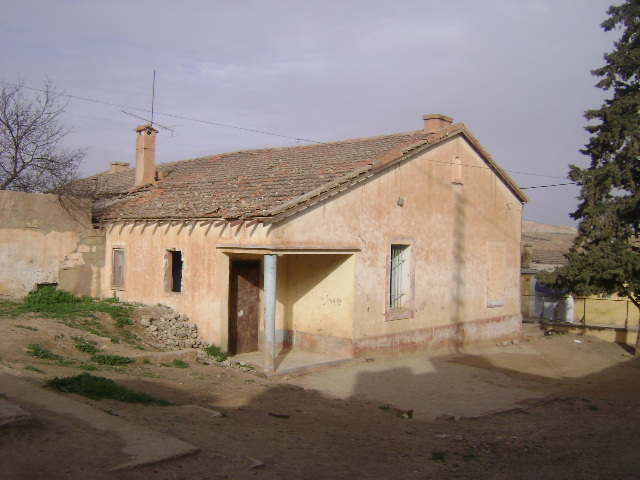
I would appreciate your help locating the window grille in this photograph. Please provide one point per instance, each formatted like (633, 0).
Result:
(397, 287)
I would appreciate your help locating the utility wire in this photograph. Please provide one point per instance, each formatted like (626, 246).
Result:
(298, 139)
(547, 186)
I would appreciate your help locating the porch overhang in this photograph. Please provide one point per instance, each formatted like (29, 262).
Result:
(299, 249)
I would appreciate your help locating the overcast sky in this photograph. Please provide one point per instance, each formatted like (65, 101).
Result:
(515, 72)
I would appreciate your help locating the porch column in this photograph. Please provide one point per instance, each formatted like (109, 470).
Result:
(270, 262)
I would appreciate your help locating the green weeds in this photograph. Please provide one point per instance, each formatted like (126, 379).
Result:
(97, 388)
(180, 363)
(38, 351)
(85, 346)
(111, 359)
(215, 352)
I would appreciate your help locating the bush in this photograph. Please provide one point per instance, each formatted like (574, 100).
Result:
(98, 388)
(216, 353)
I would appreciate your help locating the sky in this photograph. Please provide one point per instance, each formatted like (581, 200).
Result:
(235, 75)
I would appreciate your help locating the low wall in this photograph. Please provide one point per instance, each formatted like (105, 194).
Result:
(47, 239)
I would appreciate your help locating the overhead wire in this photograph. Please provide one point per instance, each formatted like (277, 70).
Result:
(298, 139)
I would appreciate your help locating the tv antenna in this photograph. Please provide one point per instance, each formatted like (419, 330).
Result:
(150, 121)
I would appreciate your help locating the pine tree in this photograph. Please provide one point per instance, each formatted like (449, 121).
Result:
(605, 257)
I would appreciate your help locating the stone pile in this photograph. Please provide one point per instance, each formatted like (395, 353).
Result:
(170, 329)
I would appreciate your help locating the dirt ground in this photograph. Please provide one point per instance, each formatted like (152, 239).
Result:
(579, 419)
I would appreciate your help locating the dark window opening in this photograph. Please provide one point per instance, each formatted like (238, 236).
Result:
(175, 270)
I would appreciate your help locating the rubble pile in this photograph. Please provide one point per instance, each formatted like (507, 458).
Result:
(170, 329)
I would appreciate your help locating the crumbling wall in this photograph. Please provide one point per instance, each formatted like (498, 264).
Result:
(48, 239)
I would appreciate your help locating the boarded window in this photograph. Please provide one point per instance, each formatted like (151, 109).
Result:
(400, 277)
(457, 171)
(117, 268)
(495, 274)
(174, 271)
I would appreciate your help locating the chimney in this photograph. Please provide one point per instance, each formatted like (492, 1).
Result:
(115, 167)
(435, 122)
(145, 155)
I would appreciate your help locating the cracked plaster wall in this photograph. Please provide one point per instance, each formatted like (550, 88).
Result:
(46, 240)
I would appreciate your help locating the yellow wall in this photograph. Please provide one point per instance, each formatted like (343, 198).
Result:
(317, 293)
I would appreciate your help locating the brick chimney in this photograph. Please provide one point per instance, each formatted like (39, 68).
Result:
(435, 122)
(145, 155)
(115, 167)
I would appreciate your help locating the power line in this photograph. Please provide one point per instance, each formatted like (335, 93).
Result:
(547, 186)
(297, 139)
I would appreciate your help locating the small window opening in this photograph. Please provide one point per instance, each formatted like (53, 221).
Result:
(399, 278)
(174, 271)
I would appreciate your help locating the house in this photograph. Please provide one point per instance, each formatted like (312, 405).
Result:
(544, 247)
(390, 243)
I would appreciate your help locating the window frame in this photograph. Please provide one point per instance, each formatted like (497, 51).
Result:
(406, 279)
(170, 272)
(114, 284)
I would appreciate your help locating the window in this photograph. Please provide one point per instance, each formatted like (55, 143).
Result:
(173, 276)
(117, 268)
(400, 276)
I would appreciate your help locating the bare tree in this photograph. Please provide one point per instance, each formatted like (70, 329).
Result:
(33, 157)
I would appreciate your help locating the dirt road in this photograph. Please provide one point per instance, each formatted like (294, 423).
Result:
(547, 408)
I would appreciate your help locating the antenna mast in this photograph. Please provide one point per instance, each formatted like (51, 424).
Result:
(153, 95)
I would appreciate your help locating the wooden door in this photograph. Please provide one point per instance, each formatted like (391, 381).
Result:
(244, 304)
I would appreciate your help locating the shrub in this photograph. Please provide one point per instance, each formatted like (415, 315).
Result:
(215, 352)
(98, 388)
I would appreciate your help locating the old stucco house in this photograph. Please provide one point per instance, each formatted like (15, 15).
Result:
(391, 243)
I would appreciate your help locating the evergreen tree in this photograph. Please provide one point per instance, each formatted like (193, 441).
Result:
(605, 257)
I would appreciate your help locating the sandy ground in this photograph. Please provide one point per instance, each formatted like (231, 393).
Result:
(556, 407)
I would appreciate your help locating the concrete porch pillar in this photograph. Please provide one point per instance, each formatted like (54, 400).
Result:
(270, 270)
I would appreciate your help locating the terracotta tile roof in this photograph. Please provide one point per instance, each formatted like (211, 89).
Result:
(256, 183)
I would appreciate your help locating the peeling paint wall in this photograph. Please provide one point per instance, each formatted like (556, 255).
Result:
(44, 239)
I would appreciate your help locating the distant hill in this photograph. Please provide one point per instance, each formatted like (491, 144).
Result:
(549, 243)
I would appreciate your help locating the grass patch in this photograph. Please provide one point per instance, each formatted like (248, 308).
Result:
(85, 346)
(215, 352)
(33, 369)
(51, 302)
(111, 359)
(38, 351)
(97, 388)
(88, 367)
(180, 363)
(76, 312)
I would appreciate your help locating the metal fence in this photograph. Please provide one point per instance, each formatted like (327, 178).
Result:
(591, 311)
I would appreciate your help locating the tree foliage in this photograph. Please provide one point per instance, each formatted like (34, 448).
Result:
(33, 157)
(605, 257)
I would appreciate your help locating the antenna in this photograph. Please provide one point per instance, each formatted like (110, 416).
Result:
(170, 129)
(153, 96)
